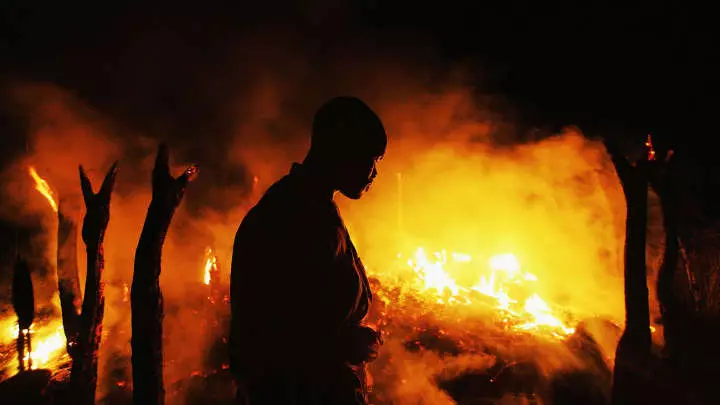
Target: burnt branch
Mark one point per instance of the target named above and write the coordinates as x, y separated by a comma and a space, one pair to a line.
68, 277
83, 377
146, 297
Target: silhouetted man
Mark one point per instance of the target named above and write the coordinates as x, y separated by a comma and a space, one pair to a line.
299, 291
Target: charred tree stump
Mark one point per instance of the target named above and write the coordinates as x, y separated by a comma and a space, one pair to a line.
67, 276
670, 306
632, 357
146, 298
83, 377
23, 300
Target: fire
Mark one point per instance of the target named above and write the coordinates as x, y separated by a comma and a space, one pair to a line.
650, 148
42, 186
48, 344
210, 266
511, 291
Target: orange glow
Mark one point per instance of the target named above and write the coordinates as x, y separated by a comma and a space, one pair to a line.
42, 186
650, 148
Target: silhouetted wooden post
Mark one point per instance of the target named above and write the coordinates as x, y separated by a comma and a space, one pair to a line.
83, 377
146, 299
67, 276
670, 307
23, 300
632, 357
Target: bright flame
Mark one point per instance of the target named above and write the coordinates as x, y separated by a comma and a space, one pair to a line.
503, 280
48, 345
210, 265
42, 186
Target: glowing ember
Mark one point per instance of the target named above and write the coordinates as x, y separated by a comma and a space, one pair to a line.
42, 186
650, 148
510, 289
210, 266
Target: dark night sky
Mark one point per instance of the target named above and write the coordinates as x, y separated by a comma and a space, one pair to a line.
632, 68
646, 66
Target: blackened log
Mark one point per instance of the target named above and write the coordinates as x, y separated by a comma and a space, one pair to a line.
68, 277
632, 357
83, 377
146, 299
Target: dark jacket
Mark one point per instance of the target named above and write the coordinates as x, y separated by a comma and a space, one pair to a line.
298, 288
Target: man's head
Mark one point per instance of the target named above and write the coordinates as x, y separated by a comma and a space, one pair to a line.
348, 139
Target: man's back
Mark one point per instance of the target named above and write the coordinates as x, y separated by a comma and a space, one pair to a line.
297, 284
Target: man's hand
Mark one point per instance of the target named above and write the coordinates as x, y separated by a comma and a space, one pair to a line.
363, 344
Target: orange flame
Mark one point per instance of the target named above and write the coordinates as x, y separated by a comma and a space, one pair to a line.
210, 266
42, 186
528, 313
650, 148
48, 344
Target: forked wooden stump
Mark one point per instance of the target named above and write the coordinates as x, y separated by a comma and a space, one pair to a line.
146, 297
83, 377
633, 359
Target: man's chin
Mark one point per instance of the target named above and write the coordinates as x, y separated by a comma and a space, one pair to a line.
355, 194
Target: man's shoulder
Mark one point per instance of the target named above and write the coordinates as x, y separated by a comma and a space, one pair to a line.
277, 205
278, 199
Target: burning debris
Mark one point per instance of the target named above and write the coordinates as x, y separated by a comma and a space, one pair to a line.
47, 349
211, 269
211, 277
500, 281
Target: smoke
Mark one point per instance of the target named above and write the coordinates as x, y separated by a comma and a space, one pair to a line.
411, 378
242, 110
555, 203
